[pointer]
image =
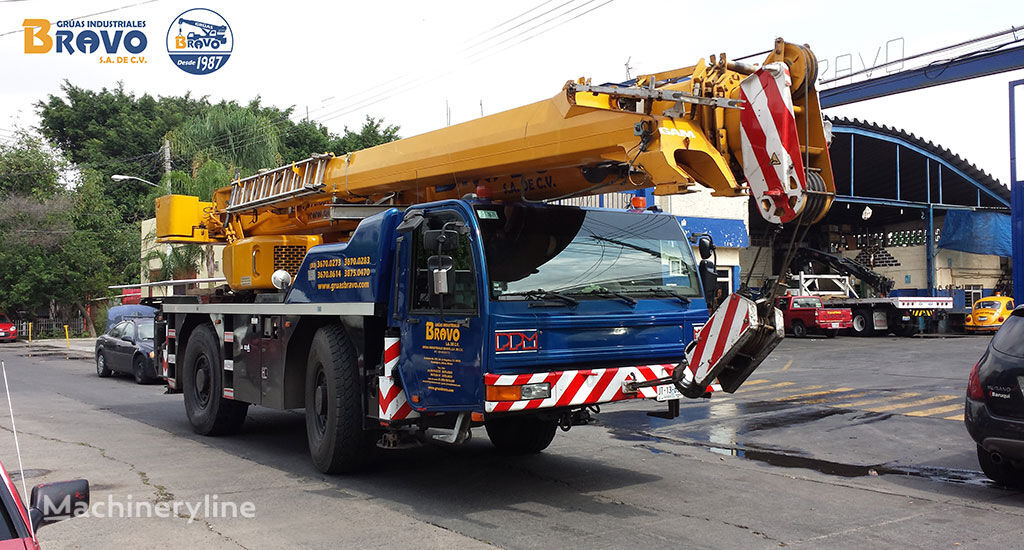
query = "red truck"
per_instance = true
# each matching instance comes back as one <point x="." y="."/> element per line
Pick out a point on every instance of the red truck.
<point x="805" y="315"/>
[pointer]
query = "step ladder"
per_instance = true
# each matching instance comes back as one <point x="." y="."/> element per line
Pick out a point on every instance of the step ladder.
<point x="282" y="184"/>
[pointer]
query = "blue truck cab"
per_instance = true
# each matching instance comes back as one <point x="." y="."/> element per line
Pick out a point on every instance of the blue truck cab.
<point x="516" y="316"/>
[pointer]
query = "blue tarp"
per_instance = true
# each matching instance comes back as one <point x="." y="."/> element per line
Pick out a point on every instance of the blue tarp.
<point x="977" y="232"/>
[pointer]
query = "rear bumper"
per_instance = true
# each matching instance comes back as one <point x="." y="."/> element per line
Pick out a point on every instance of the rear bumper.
<point x="574" y="388"/>
<point x="995" y="433"/>
<point x="982" y="328"/>
<point x="834" y="325"/>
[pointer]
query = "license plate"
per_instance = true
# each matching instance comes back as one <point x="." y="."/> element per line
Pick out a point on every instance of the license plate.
<point x="835" y="325"/>
<point x="668" y="392"/>
<point x="3" y="334"/>
<point x="979" y="318"/>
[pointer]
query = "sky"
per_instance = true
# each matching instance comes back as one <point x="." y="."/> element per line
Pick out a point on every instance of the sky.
<point x="422" y="65"/>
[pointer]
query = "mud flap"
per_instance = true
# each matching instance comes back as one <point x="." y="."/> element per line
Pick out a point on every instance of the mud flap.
<point x="733" y="343"/>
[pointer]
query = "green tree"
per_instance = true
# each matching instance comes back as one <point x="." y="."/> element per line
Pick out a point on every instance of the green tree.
<point x="115" y="132"/>
<point x="29" y="166"/>
<point x="373" y="132"/>
<point x="236" y="136"/>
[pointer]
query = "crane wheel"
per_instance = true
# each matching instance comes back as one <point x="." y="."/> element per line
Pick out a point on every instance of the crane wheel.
<point x="202" y="381"/>
<point x="334" y="404"/>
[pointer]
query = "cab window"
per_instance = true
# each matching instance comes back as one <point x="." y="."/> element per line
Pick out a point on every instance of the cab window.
<point x="462" y="297"/>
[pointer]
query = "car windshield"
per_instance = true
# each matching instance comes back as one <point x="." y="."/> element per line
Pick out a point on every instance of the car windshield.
<point x="4" y="319"/>
<point x="145" y="331"/>
<point x="806" y="302"/>
<point x="1010" y="338"/>
<point x="988" y="304"/>
<point x="533" y="249"/>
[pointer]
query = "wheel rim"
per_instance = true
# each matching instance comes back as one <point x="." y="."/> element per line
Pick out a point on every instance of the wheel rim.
<point x="137" y="369"/>
<point x="101" y="365"/>
<point x="859" y="323"/>
<point x="320" y="401"/>
<point x="203" y="376"/>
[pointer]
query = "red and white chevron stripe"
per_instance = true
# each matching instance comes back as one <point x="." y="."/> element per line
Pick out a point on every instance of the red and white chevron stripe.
<point x="733" y="318"/>
<point x="770" y="144"/>
<point x="577" y="387"/>
<point x="391" y="400"/>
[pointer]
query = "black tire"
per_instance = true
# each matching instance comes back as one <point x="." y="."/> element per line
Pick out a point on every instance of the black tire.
<point x="334" y="405"/>
<point x="799" y="329"/>
<point x="863" y="323"/>
<point x="101" y="365"/>
<point x="832" y="333"/>
<point x="139" y="369"/>
<point x="520" y="435"/>
<point x="202" y="380"/>
<point x="1003" y="473"/>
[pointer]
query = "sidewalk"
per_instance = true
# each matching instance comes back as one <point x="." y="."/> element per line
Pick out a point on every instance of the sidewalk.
<point x="77" y="348"/>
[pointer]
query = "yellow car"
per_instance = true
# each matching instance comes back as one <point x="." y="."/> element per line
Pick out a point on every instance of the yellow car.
<point x="989" y="313"/>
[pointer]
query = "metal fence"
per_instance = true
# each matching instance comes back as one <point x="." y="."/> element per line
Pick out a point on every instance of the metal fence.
<point x="50" y="327"/>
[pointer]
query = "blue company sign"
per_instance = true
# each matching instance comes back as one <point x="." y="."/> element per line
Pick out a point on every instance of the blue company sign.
<point x="199" y="41"/>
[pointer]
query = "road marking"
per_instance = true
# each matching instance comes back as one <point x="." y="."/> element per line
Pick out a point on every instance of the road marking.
<point x="833" y="398"/>
<point x="787" y="365"/>
<point x="813" y="394"/>
<point x="779" y="385"/>
<point x="756" y="382"/>
<point x="954" y="417"/>
<point x="880" y="399"/>
<point x="928" y="401"/>
<point x="936" y="410"/>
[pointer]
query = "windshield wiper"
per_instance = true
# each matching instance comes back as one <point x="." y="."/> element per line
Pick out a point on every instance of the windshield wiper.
<point x="605" y="292"/>
<point x="541" y="294"/>
<point x="665" y="292"/>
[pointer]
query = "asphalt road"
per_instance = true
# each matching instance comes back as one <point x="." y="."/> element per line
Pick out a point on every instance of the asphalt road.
<point x="841" y="443"/>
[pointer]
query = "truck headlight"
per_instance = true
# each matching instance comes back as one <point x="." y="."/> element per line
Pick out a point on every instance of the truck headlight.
<point x="540" y="390"/>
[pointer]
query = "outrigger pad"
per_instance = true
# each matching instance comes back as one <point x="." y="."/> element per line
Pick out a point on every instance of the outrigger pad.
<point x="735" y="340"/>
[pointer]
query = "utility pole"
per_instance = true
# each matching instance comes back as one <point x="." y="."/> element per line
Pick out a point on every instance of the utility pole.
<point x="167" y="156"/>
<point x="628" y="68"/>
<point x="481" y="107"/>
<point x="447" y="113"/>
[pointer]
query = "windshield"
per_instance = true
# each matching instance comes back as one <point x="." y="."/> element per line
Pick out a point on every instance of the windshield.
<point x="579" y="252"/>
<point x="806" y="302"/>
<point x="145" y="331"/>
<point x="988" y="304"/>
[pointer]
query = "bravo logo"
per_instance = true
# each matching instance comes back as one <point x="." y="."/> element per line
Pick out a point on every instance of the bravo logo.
<point x="199" y="41"/>
<point x="105" y="36"/>
<point x="447" y="332"/>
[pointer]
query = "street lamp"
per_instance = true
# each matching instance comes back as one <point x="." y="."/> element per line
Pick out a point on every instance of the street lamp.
<point x="119" y="177"/>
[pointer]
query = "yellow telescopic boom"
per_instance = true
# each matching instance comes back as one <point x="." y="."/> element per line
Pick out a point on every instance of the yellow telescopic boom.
<point x="735" y="128"/>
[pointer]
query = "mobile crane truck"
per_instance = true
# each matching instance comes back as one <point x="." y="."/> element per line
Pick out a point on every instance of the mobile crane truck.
<point x="423" y="287"/>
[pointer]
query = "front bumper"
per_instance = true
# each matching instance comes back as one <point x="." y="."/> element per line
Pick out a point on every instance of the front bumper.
<point x="575" y="388"/>
<point x="995" y="433"/>
<point x="9" y="336"/>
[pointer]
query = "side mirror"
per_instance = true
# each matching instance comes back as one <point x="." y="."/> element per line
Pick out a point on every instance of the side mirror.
<point x="441" y="240"/>
<point x="56" y="501"/>
<point x="442" y="276"/>
<point x="411" y="221"/>
<point x="708" y="280"/>
<point x="706" y="247"/>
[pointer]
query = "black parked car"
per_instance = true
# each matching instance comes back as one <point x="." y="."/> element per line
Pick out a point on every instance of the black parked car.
<point x="994" y="413"/>
<point x="127" y="347"/>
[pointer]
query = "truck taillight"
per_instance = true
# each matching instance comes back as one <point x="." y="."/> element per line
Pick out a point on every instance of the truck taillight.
<point x="1001" y="319"/>
<point x="974" y="390"/>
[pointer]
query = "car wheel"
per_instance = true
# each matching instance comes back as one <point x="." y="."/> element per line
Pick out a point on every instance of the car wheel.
<point x="1002" y="472"/>
<point x="799" y="329"/>
<point x="138" y="370"/>
<point x="334" y="405"/>
<point x="520" y="435"/>
<point x="209" y="412"/>
<point x="863" y="323"/>
<point x="101" y="365"/>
